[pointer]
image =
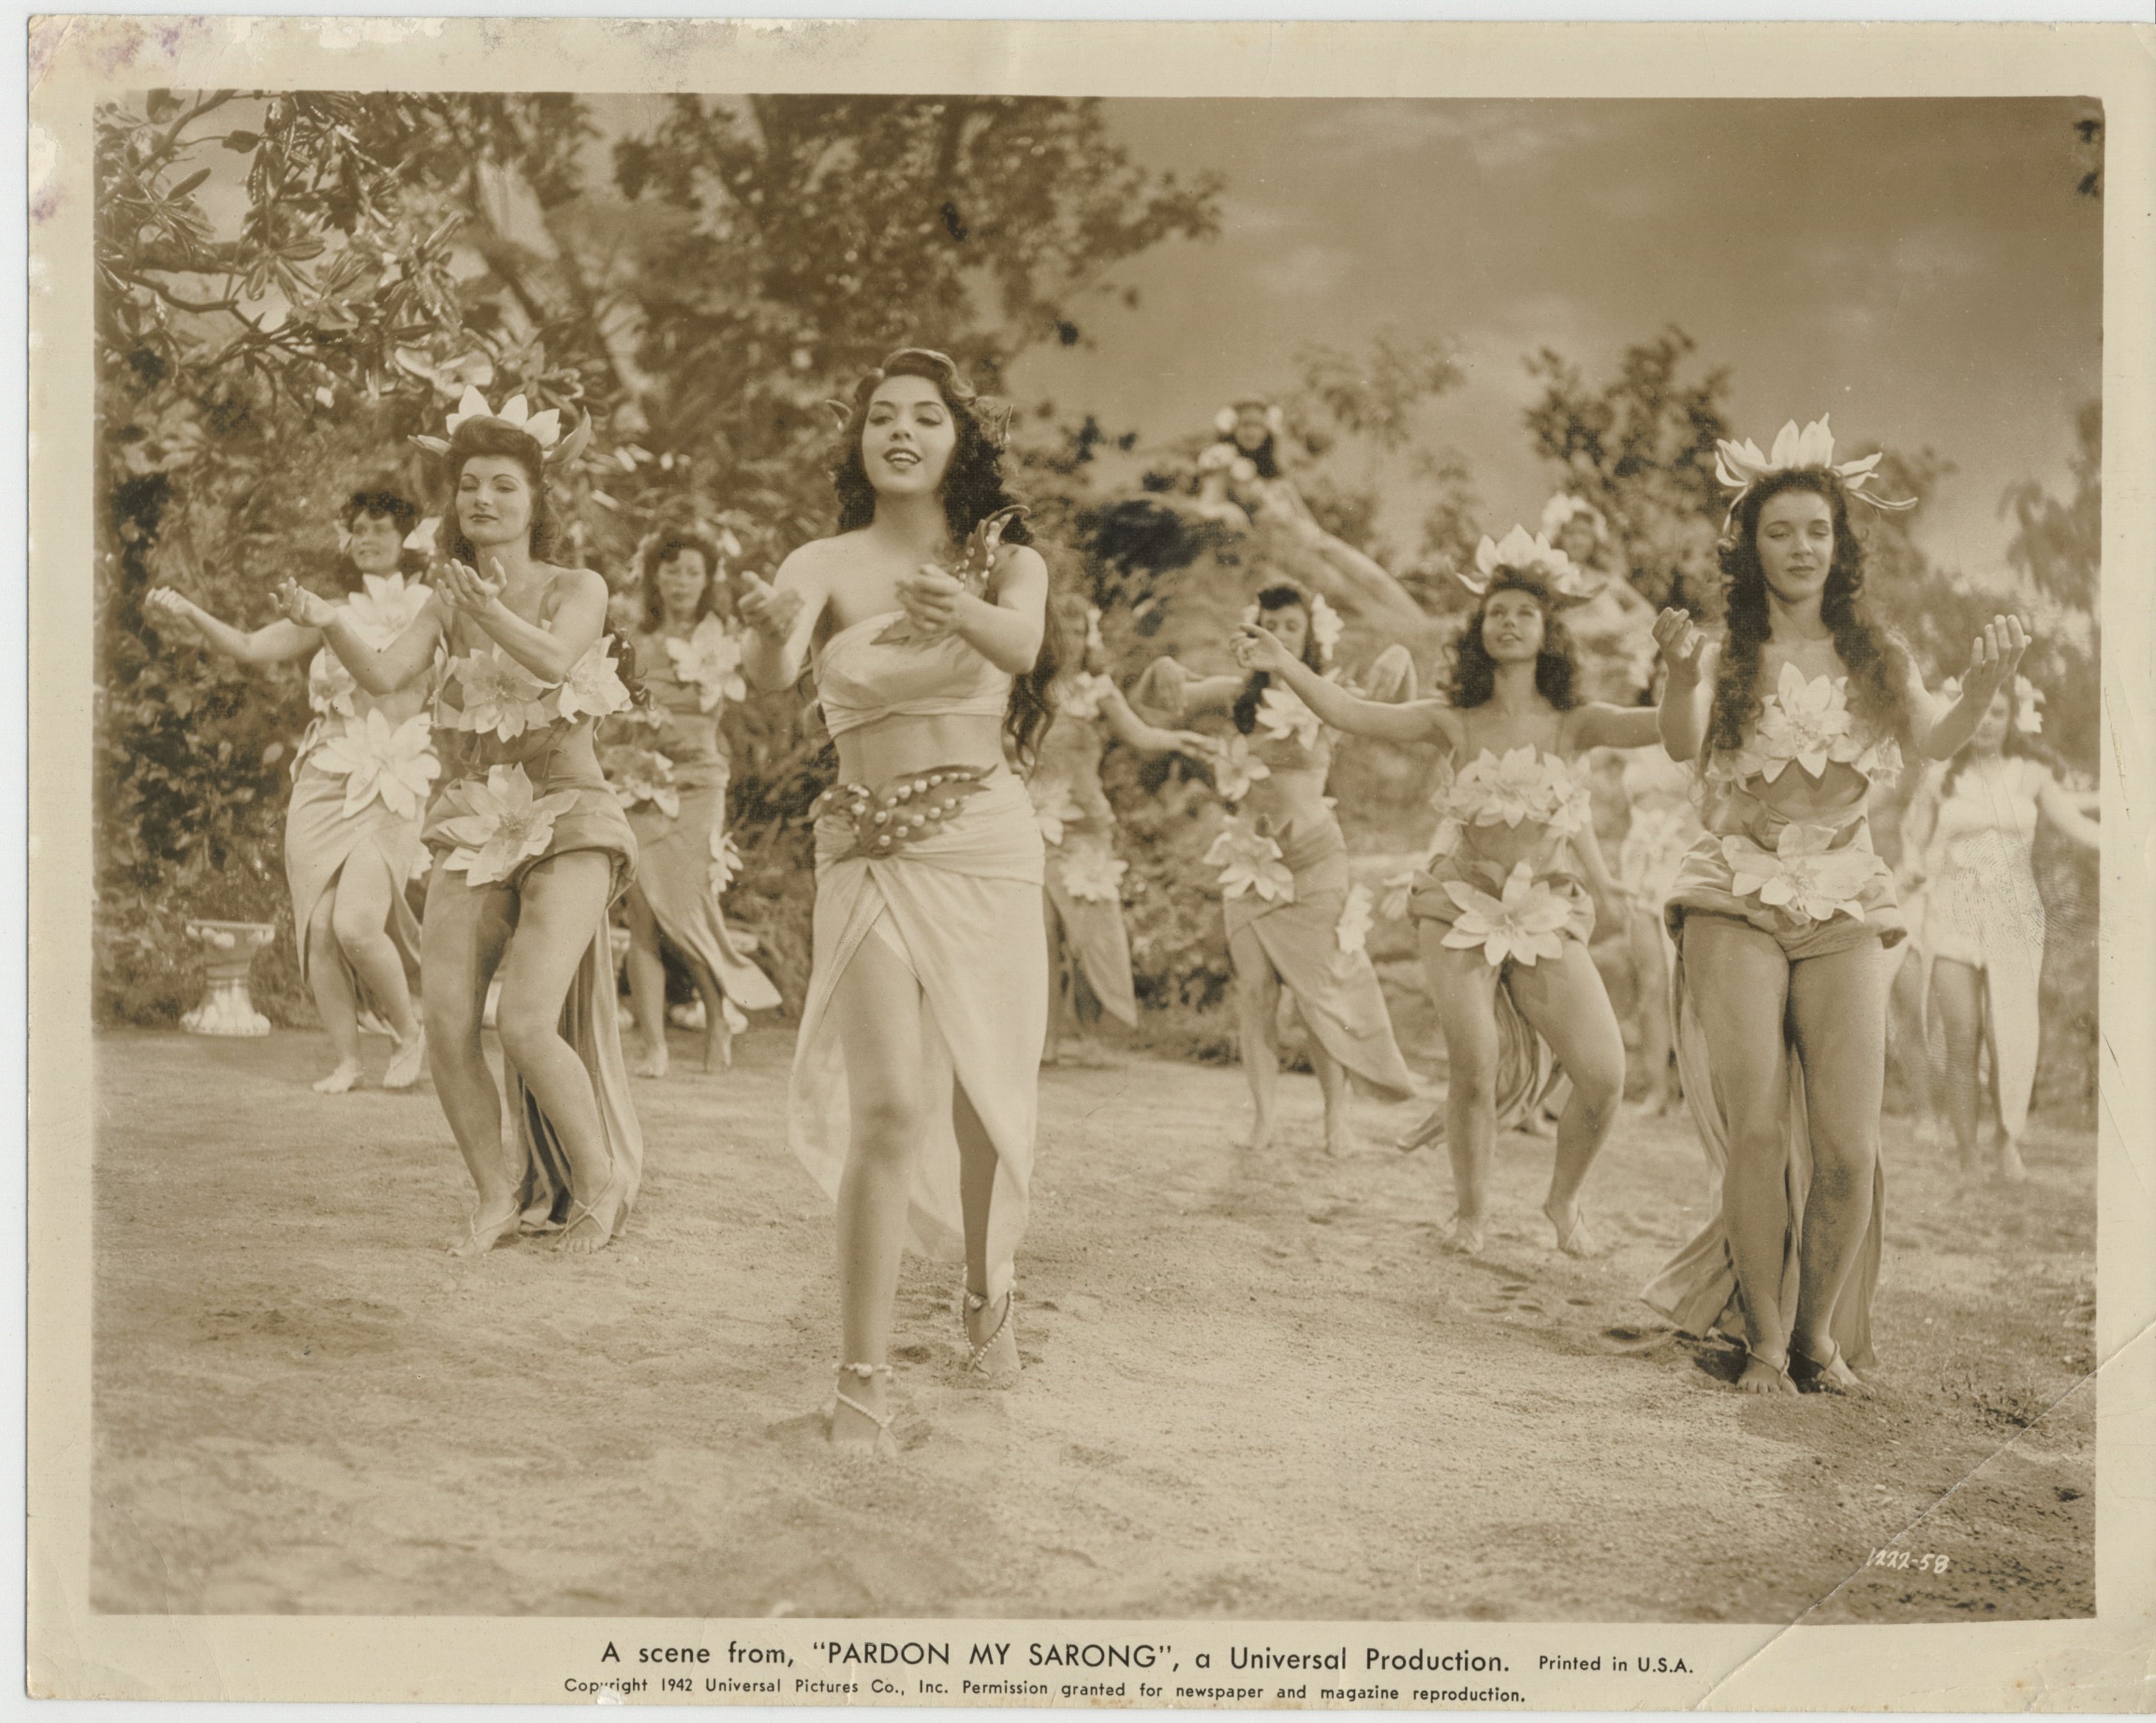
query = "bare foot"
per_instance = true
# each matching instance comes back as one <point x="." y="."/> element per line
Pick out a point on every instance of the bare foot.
<point x="1258" y="1138"/>
<point x="591" y="1224"/>
<point x="489" y="1227"/>
<point x="407" y="1062"/>
<point x="1463" y="1236"/>
<point x="1572" y="1237"/>
<point x="863" y="1427"/>
<point x="2006" y="1161"/>
<point x="1340" y="1138"/>
<point x="653" y="1062"/>
<point x="1830" y="1374"/>
<point x="345" y="1077"/>
<point x="1533" y="1125"/>
<point x="1762" y="1376"/>
<point x="719" y="1047"/>
<point x="991" y="1338"/>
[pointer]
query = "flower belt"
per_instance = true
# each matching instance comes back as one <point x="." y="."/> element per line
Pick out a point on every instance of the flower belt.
<point x="909" y="807"/>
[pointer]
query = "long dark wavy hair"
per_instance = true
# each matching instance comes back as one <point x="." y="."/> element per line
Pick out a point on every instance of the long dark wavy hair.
<point x="668" y="542"/>
<point x="1876" y="660"/>
<point x="1475" y="672"/>
<point x="477" y="436"/>
<point x="1282" y="596"/>
<point x="380" y="502"/>
<point x="973" y="489"/>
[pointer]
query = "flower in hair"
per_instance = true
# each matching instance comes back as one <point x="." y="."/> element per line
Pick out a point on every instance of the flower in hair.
<point x="1535" y="557"/>
<point x="1740" y="465"/>
<point x="2028" y="707"/>
<point x="1560" y="510"/>
<point x="544" y="429"/>
<point x="1325" y="626"/>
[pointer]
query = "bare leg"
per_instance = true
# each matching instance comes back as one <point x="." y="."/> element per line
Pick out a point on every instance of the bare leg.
<point x="334" y="999"/>
<point x="1059" y="982"/>
<point x="976" y="1186"/>
<point x="1958" y="997"/>
<point x="1332" y="1085"/>
<point x="647" y="985"/>
<point x="877" y="1007"/>
<point x="2006" y="1154"/>
<point x="1650" y="963"/>
<point x="1739" y="981"/>
<point x="562" y="908"/>
<point x="1838" y="1004"/>
<point x="1466" y="989"/>
<point x="460" y="944"/>
<point x="1257" y="1003"/>
<point x="718" y="1033"/>
<point x="365" y="889"/>
<point x="1564" y="998"/>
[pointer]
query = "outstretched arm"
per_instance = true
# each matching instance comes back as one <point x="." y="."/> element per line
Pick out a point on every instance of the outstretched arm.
<point x="781" y="615"/>
<point x="274" y="643"/>
<point x="1601" y="725"/>
<point x="1941" y="733"/>
<point x="1167" y="687"/>
<point x="1691" y="658"/>
<point x="550" y="650"/>
<point x="397" y="665"/>
<point x="1005" y="629"/>
<point x="2059" y="807"/>
<point x="1418" y="720"/>
<point x="1132" y="731"/>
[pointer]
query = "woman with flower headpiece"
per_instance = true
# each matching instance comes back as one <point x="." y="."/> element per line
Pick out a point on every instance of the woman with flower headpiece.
<point x="1983" y="921"/>
<point x="916" y="1070"/>
<point x="1294" y="919"/>
<point x="530" y="844"/>
<point x="1784" y="913"/>
<point x="360" y="782"/>
<point x="1502" y="899"/>
<point x="667" y="760"/>
<point x="1084" y="882"/>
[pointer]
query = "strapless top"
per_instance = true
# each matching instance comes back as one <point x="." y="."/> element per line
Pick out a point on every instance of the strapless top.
<point x="1806" y="722"/>
<point x="1523" y="786"/>
<point x="1288" y="737"/>
<point x="859" y="680"/>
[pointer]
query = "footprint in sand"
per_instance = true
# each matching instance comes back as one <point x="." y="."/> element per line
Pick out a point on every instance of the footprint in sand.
<point x="1515" y="1299"/>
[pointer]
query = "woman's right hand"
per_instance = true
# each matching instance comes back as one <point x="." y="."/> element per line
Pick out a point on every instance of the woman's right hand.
<point x="769" y="611"/>
<point x="171" y="614"/>
<point x="310" y="610"/>
<point x="1257" y="649"/>
<point x="1681" y="641"/>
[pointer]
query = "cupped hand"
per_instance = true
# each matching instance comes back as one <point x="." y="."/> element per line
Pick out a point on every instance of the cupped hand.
<point x="764" y="608"/>
<point x="1679" y="640"/>
<point x="470" y="590"/>
<point x="1257" y="649"/>
<point x="1994" y="656"/>
<point x="310" y="610"/>
<point x="930" y="596"/>
<point x="170" y="613"/>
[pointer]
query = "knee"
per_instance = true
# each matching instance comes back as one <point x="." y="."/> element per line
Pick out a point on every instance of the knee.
<point x="1599" y="1086"/>
<point x="355" y="923"/>
<point x="1473" y="1080"/>
<point x="1843" y="1155"/>
<point x="527" y="1032"/>
<point x="887" y="1119"/>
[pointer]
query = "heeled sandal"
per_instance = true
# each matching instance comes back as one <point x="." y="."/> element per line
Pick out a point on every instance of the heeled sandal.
<point x="884" y="1443"/>
<point x="979" y="1301"/>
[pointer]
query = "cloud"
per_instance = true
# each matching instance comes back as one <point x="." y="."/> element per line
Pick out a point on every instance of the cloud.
<point x="1495" y="136"/>
<point x="1306" y="270"/>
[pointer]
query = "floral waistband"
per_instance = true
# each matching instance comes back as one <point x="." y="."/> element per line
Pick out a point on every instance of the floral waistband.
<point x="904" y="810"/>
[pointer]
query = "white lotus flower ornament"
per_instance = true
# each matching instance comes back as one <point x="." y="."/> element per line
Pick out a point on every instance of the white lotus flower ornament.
<point x="1740" y="465"/>
<point x="1535" y="557"/>
<point x="2028" y="707"/>
<point x="544" y="429"/>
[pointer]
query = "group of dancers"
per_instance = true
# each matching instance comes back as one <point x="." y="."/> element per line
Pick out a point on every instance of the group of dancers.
<point x="490" y="729"/>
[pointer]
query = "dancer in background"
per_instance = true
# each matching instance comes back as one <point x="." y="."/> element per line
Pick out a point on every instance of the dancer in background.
<point x="361" y="777"/>
<point x="1293" y="918"/>
<point x="667" y="760"/>
<point x="1664" y="825"/>
<point x="916" y="1070"/>
<point x="1783" y="913"/>
<point x="1983" y="926"/>
<point x="1502" y="898"/>
<point x="1083" y="884"/>
<point x="530" y="843"/>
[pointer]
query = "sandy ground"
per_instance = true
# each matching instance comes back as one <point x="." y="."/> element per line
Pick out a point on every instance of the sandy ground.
<point x="1254" y="1389"/>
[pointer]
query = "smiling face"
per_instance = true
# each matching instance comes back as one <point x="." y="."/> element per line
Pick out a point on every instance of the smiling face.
<point x="908" y="438"/>
<point x="1579" y="541"/>
<point x="1290" y="625"/>
<point x="375" y="542"/>
<point x="494" y="500"/>
<point x="1992" y="727"/>
<point x="682" y="579"/>
<point x="1513" y="627"/>
<point x="1251" y="429"/>
<point x="1795" y="543"/>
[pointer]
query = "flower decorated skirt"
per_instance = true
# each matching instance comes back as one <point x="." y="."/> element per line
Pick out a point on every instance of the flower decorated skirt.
<point x="961" y="905"/>
<point x="1082" y="884"/>
<point x="1336" y="991"/>
<point x="1783" y="894"/>
<point x="673" y="872"/>
<point x="320" y="837"/>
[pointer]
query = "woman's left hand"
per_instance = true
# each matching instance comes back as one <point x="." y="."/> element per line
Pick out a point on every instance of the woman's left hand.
<point x="1993" y="658"/>
<point x="1257" y="649"/>
<point x="468" y="589"/>
<point x="930" y="597"/>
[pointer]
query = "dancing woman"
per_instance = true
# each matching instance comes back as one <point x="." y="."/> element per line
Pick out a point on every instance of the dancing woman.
<point x="668" y="762"/>
<point x="1502" y="901"/>
<point x="530" y="844"/>
<point x="915" y="1072"/>
<point x="360" y="782"/>
<point x="1783" y="913"/>
<point x="1984" y="922"/>
<point x="1291" y="917"/>
<point x="1083" y="897"/>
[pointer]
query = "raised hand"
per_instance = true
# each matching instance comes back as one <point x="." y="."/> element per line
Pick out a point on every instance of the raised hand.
<point x="310" y="610"/>
<point x="930" y="596"/>
<point x="1992" y="658"/>
<point x="1681" y="641"/>
<point x="1257" y="649"/>
<point x="767" y="609"/>
<point x="1196" y="744"/>
<point x="467" y="588"/>
<point x="171" y="614"/>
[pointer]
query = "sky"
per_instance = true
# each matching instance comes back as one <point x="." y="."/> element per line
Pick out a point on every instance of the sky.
<point x="1923" y="270"/>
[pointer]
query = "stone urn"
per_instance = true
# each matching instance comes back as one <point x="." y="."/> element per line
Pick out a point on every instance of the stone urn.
<point x="229" y="950"/>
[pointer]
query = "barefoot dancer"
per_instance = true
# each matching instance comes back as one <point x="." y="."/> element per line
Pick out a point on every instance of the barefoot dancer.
<point x="1783" y="911"/>
<point x="530" y="844"/>
<point x="360" y="782"/>
<point x="1983" y="926"/>
<point x="1502" y="901"/>
<point x="668" y="762"/>
<point x="915" y="1072"/>
<point x="1084" y="897"/>
<point x="1283" y="861"/>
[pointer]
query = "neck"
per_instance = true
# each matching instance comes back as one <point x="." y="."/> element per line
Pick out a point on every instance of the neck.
<point x="914" y="523"/>
<point x="513" y="559"/>
<point x="1798" y="621"/>
<point x="679" y="622"/>
<point x="1513" y="690"/>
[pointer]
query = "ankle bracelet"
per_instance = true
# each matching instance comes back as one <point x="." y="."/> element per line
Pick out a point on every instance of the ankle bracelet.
<point x="865" y="1371"/>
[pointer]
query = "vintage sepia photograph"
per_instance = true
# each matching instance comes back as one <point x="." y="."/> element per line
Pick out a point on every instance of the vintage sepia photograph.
<point x="871" y="856"/>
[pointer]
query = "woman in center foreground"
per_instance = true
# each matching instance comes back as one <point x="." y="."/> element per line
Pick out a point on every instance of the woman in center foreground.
<point x="915" y="1074"/>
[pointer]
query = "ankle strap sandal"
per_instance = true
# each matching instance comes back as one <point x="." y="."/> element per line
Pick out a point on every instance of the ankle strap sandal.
<point x="979" y="1301"/>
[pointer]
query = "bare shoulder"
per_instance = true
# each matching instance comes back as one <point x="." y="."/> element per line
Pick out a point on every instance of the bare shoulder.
<point x="813" y="564"/>
<point x="569" y="583"/>
<point x="1019" y="568"/>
